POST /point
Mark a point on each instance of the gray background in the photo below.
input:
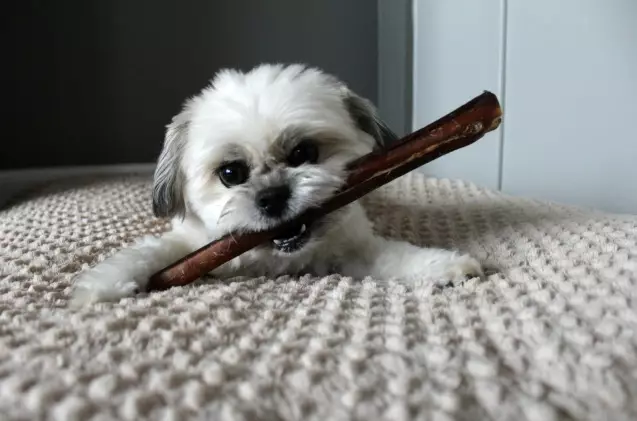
(94, 82)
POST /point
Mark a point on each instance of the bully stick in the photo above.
(456, 130)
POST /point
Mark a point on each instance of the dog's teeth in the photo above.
(303, 228)
(277, 242)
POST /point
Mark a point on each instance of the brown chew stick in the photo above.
(456, 130)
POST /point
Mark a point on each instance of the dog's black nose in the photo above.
(273, 200)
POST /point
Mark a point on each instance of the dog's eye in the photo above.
(305, 151)
(233, 173)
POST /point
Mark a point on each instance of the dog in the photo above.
(250, 151)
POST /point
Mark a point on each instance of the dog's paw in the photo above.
(97, 285)
(457, 270)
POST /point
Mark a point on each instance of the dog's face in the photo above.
(255, 149)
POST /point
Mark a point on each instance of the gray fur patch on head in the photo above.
(168, 183)
(366, 118)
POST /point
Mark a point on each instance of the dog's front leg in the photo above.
(392, 259)
(127, 270)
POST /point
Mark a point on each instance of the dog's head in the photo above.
(255, 149)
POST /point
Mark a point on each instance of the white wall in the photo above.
(451, 66)
(566, 74)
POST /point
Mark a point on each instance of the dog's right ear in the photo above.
(365, 116)
(168, 183)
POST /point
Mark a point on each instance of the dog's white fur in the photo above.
(257, 117)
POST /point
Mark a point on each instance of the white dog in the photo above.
(253, 150)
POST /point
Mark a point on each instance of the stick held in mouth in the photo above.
(458, 129)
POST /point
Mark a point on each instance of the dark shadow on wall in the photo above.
(95, 82)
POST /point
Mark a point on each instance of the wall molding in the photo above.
(14, 182)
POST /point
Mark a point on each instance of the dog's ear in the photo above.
(168, 183)
(366, 118)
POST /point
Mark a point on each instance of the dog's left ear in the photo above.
(365, 115)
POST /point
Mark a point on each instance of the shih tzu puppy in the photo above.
(251, 151)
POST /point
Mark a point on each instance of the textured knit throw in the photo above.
(550, 335)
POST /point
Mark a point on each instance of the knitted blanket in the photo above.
(550, 335)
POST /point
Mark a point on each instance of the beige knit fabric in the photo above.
(550, 335)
